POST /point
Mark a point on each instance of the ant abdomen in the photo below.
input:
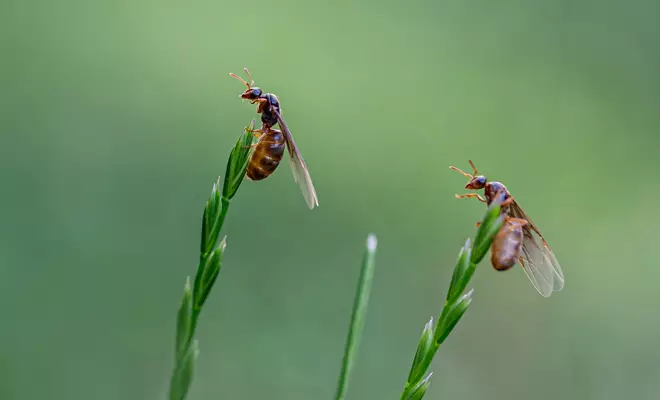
(267, 155)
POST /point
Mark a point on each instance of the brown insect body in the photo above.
(269, 150)
(518, 239)
(267, 110)
(506, 247)
(492, 189)
(267, 154)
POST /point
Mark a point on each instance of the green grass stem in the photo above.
(212, 249)
(457, 303)
(358, 316)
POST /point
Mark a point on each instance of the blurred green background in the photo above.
(116, 118)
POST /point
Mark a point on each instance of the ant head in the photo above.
(252, 92)
(476, 181)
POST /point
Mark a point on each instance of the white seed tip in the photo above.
(372, 242)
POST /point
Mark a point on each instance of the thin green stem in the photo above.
(358, 317)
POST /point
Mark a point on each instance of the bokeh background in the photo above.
(117, 117)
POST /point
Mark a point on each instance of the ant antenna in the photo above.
(474, 169)
(233, 75)
(249, 76)
(462, 172)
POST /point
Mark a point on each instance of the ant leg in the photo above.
(521, 221)
(471, 195)
(255, 132)
(506, 202)
(262, 103)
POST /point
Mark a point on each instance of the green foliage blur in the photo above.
(116, 117)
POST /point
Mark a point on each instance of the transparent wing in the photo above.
(536, 258)
(298, 166)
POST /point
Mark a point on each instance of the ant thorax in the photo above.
(268, 117)
(491, 190)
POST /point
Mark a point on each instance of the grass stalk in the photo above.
(358, 316)
(456, 304)
(212, 249)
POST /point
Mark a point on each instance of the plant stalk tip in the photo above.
(372, 242)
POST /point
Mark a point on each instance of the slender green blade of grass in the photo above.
(358, 317)
(184, 372)
(419, 390)
(184, 321)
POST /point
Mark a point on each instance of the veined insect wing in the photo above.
(536, 258)
(298, 166)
